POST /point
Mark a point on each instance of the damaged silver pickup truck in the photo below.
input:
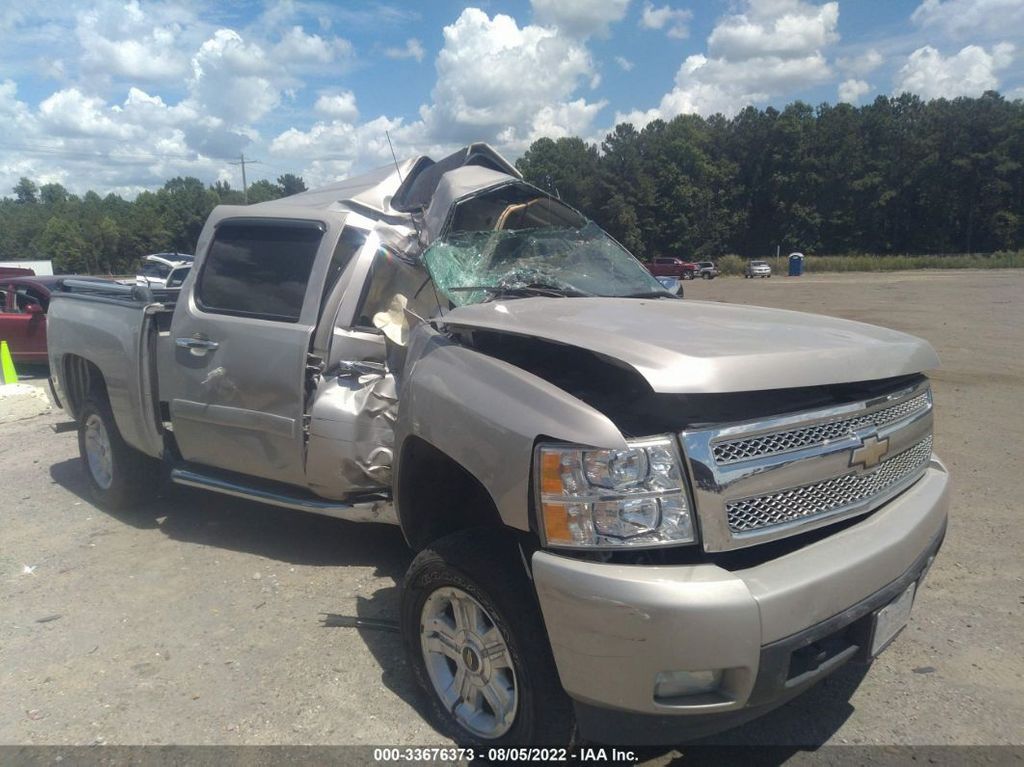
(639, 518)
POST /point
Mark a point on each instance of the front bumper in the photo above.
(773, 629)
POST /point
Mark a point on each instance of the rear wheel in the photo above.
(476, 641)
(119, 476)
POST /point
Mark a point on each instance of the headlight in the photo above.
(613, 498)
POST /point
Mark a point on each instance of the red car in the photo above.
(673, 267)
(23, 305)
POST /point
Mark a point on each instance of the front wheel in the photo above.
(476, 642)
(119, 476)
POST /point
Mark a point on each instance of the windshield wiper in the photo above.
(536, 289)
(650, 294)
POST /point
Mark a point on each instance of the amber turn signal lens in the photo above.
(556, 522)
(551, 473)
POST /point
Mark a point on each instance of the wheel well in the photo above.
(82, 379)
(436, 496)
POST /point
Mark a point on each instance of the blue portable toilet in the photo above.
(796, 264)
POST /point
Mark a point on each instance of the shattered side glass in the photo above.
(470, 267)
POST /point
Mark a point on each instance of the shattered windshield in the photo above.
(472, 267)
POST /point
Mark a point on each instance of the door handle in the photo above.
(198, 346)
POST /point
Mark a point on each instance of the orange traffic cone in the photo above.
(7, 365)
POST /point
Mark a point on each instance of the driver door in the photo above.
(241, 336)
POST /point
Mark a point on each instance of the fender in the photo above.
(486, 415)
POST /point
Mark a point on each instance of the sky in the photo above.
(119, 96)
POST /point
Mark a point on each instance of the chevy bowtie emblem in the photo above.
(871, 451)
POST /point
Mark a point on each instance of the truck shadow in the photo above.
(292, 537)
(208, 519)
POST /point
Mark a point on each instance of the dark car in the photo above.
(23, 305)
(672, 267)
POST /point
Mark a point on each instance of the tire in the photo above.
(706, 276)
(119, 476)
(480, 575)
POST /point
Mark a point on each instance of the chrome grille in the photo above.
(829, 496)
(745, 449)
(764, 479)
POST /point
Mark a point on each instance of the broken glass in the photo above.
(472, 267)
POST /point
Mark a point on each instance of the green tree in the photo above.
(53, 194)
(291, 184)
(25, 190)
(264, 190)
(61, 240)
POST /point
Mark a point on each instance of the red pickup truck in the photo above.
(673, 267)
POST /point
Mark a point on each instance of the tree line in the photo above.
(898, 176)
(107, 235)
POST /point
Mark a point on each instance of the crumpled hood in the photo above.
(703, 347)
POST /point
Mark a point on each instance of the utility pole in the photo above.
(245, 187)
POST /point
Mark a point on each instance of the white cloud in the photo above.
(960, 18)
(340, 106)
(496, 82)
(580, 18)
(968, 73)
(413, 50)
(494, 77)
(296, 49)
(624, 64)
(122, 40)
(330, 150)
(852, 90)
(228, 79)
(773, 47)
(775, 28)
(864, 64)
(675, 20)
(70, 112)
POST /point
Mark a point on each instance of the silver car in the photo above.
(757, 269)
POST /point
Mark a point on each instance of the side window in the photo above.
(349, 243)
(389, 276)
(155, 271)
(7, 305)
(257, 269)
(25, 296)
(177, 276)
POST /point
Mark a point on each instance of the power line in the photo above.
(245, 187)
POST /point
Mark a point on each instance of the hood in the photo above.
(702, 347)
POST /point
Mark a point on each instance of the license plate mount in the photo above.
(890, 620)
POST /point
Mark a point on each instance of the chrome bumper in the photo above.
(613, 628)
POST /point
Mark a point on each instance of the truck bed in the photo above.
(115, 328)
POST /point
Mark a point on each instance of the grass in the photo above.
(1005, 259)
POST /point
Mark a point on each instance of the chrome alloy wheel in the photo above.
(97, 451)
(468, 662)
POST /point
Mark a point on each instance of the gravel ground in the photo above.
(199, 620)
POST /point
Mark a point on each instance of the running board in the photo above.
(370, 510)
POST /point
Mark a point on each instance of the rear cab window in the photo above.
(259, 269)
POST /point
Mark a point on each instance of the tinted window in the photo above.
(177, 276)
(155, 270)
(258, 270)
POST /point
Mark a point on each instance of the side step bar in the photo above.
(370, 510)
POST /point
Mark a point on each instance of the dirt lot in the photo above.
(198, 619)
